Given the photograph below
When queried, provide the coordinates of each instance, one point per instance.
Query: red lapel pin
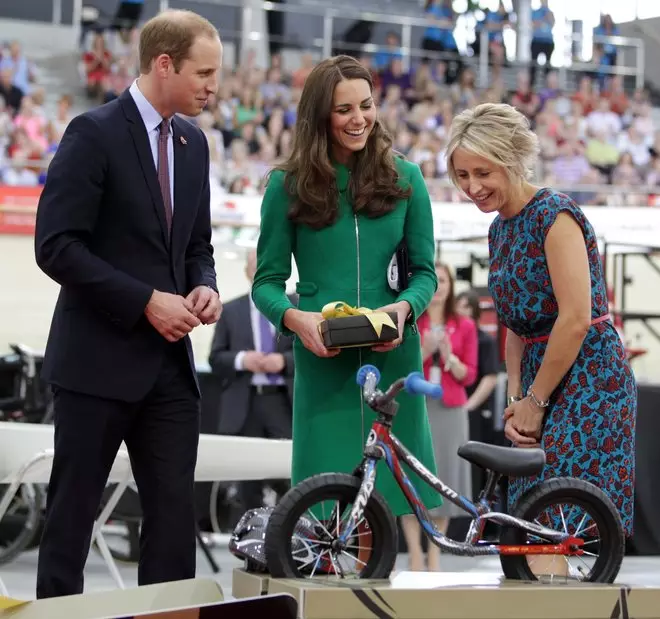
(183, 140)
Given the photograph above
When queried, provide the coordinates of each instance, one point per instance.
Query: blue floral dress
(589, 428)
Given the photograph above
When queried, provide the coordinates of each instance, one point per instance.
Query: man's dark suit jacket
(101, 234)
(233, 333)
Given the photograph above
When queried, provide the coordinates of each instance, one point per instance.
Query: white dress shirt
(152, 120)
(258, 378)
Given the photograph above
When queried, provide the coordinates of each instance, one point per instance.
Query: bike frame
(382, 444)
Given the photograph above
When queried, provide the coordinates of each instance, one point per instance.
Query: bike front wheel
(576, 507)
(302, 532)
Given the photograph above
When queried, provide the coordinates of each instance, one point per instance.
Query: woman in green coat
(340, 206)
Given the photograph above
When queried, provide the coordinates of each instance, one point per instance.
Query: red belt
(545, 338)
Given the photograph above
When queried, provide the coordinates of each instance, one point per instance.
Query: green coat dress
(348, 262)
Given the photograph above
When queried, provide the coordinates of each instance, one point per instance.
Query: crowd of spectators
(596, 135)
(30, 129)
(588, 137)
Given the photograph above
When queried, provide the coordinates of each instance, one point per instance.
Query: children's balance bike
(338, 525)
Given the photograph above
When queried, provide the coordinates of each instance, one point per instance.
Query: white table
(26, 455)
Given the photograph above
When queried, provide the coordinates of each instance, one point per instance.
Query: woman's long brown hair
(450, 301)
(309, 174)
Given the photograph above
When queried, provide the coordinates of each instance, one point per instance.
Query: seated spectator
(604, 121)
(585, 95)
(22, 70)
(576, 121)
(11, 94)
(240, 167)
(570, 165)
(524, 99)
(653, 174)
(601, 153)
(393, 102)
(464, 91)
(273, 91)
(120, 78)
(394, 75)
(643, 122)
(97, 64)
(593, 177)
(616, 95)
(33, 123)
(625, 173)
(205, 122)
(299, 76)
(21, 151)
(633, 143)
(549, 119)
(249, 108)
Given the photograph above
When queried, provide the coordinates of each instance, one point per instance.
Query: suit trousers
(162, 435)
(269, 416)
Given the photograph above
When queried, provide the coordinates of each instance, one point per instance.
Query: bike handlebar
(415, 384)
(368, 377)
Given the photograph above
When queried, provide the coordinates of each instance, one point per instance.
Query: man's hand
(274, 363)
(171, 315)
(253, 361)
(206, 304)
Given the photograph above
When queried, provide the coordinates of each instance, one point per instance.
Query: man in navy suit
(123, 225)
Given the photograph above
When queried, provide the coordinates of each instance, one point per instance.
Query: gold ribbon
(339, 309)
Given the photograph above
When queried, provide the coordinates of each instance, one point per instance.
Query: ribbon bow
(339, 309)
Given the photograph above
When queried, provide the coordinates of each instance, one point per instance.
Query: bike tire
(576, 491)
(30, 523)
(298, 499)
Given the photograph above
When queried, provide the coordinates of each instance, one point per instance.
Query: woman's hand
(402, 310)
(306, 326)
(523, 423)
(430, 344)
(444, 346)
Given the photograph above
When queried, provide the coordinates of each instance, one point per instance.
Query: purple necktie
(164, 171)
(267, 342)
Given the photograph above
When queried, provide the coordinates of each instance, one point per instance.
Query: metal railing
(327, 43)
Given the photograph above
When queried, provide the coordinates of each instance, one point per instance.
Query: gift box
(359, 330)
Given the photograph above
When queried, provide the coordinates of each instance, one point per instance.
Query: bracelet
(539, 403)
(513, 398)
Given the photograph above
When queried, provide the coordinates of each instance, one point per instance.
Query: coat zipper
(359, 304)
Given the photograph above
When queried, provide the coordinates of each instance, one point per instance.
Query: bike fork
(364, 494)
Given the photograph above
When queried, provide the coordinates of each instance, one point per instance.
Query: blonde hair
(172, 32)
(497, 132)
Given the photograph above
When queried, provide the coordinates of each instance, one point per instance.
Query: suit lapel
(180, 148)
(143, 148)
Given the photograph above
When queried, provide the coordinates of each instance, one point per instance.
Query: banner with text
(236, 219)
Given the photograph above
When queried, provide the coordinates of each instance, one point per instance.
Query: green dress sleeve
(274, 251)
(421, 246)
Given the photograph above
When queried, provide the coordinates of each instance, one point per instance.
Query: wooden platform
(448, 595)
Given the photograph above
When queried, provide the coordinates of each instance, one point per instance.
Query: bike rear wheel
(294, 523)
(21, 522)
(600, 527)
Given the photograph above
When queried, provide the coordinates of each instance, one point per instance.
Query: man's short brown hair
(172, 32)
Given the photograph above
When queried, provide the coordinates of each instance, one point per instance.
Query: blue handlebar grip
(362, 374)
(417, 385)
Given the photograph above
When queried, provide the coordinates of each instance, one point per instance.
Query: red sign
(18, 209)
